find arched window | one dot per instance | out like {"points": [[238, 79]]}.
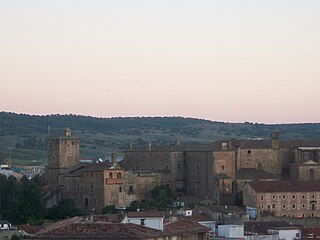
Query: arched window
{"points": [[110, 175], [118, 175]]}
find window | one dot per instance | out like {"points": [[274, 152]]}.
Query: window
{"points": [[118, 175], [303, 196], [273, 197], [283, 206], [222, 168], [273, 206], [261, 198], [293, 196], [86, 202], [142, 222], [130, 189], [249, 151], [120, 189], [111, 175], [284, 196], [312, 196], [303, 206], [293, 206]]}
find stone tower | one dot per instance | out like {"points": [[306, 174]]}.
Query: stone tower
{"points": [[63, 153]]}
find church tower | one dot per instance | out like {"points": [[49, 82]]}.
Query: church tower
{"points": [[63, 153]]}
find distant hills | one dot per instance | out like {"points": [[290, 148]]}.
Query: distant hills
{"points": [[25, 135]]}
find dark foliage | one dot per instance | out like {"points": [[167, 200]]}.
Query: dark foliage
{"points": [[20, 202], [66, 208]]}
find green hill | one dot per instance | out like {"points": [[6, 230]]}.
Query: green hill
{"points": [[25, 135]]}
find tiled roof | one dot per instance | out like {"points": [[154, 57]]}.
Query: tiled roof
{"points": [[110, 218], [140, 214], [252, 173], [30, 229], [100, 231], [202, 217], [285, 186], [184, 226]]}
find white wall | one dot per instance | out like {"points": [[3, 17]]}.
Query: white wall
{"points": [[231, 231], [286, 234], [155, 223]]}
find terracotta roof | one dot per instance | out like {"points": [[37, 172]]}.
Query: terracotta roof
{"points": [[100, 231], [252, 173], [202, 217], [184, 226], [285, 186], [30, 229], [111, 218], [146, 214]]}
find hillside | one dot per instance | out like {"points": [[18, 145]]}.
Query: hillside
{"points": [[25, 135]]}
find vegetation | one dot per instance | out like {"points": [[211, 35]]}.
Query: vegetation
{"points": [[110, 209], [160, 198], [20, 202], [25, 135], [65, 208]]}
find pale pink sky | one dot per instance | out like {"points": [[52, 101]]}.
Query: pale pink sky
{"points": [[227, 60]]}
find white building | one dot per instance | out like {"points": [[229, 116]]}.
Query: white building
{"points": [[286, 233], [5, 225], [231, 231], [151, 219]]}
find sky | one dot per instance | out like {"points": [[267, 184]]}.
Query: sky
{"points": [[226, 60]]}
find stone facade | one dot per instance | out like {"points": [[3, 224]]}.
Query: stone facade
{"points": [[63, 153], [297, 199], [309, 170], [206, 171]]}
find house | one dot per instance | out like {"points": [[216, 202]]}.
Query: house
{"points": [[151, 219], [207, 221], [297, 199], [5, 225], [231, 231], [187, 212], [309, 170], [286, 233], [109, 227]]}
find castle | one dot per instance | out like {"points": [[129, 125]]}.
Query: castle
{"points": [[216, 171]]}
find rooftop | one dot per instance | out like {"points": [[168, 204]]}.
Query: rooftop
{"points": [[285, 186]]}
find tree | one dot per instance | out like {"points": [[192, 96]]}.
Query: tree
{"points": [[110, 209], [30, 203], [65, 208], [2, 156]]}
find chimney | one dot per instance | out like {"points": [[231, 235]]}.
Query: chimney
{"points": [[275, 143], [113, 159], [130, 146]]}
